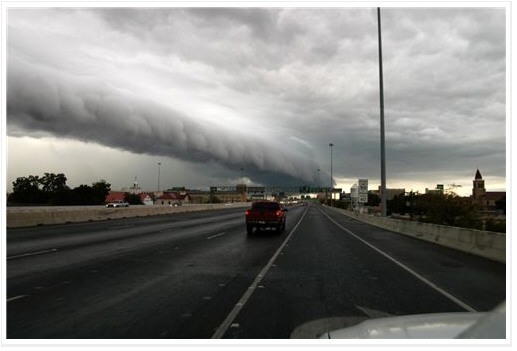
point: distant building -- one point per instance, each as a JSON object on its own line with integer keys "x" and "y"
{"x": 181, "y": 190}
{"x": 439, "y": 190}
{"x": 121, "y": 196}
{"x": 390, "y": 193}
{"x": 226, "y": 194}
{"x": 485, "y": 200}
{"x": 115, "y": 196}
{"x": 170, "y": 199}
{"x": 354, "y": 192}
{"x": 146, "y": 199}
{"x": 256, "y": 192}
{"x": 135, "y": 189}
{"x": 229, "y": 194}
{"x": 199, "y": 196}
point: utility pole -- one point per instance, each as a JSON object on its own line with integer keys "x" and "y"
{"x": 383, "y": 150}
{"x": 331, "y": 178}
{"x": 159, "y": 164}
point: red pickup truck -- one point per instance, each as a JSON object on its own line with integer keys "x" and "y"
{"x": 265, "y": 214}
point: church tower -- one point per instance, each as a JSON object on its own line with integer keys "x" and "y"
{"x": 478, "y": 189}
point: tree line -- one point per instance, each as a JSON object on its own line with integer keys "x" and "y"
{"x": 445, "y": 209}
{"x": 51, "y": 189}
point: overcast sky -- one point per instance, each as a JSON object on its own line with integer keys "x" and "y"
{"x": 221, "y": 95}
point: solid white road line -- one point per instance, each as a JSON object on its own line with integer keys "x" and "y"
{"x": 406, "y": 268}
{"x": 219, "y": 333}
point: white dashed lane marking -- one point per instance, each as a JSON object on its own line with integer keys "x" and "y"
{"x": 32, "y": 254}
{"x": 215, "y": 236}
{"x": 16, "y": 298}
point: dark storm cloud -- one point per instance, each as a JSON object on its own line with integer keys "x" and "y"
{"x": 90, "y": 110}
{"x": 219, "y": 83}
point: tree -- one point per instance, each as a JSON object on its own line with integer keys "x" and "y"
{"x": 27, "y": 190}
{"x": 55, "y": 189}
{"x": 51, "y": 189}
{"x": 100, "y": 190}
{"x": 500, "y": 205}
{"x": 91, "y": 195}
{"x": 51, "y": 182}
{"x": 133, "y": 199}
{"x": 82, "y": 195}
{"x": 373, "y": 199}
{"x": 447, "y": 209}
{"x": 397, "y": 205}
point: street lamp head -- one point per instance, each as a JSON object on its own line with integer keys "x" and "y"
{"x": 330, "y": 144}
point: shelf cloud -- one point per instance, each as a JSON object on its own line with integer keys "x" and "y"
{"x": 259, "y": 93}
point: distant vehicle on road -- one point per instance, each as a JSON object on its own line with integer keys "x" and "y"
{"x": 266, "y": 214}
{"x": 117, "y": 203}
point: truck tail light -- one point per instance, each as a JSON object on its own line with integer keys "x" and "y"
{"x": 247, "y": 213}
{"x": 279, "y": 213}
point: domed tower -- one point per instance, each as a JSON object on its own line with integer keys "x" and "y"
{"x": 478, "y": 189}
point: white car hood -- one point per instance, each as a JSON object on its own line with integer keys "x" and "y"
{"x": 461, "y": 325}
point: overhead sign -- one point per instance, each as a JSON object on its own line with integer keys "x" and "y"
{"x": 256, "y": 189}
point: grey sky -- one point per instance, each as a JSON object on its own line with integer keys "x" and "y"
{"x": 217, "y": 95}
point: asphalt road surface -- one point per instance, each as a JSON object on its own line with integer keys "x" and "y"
{"x": 200, "y": 276}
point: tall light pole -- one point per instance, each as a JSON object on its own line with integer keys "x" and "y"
{"x": 159, "y": 164}
{"x": 383, "y": 150}
{"x": 331, "y": 178}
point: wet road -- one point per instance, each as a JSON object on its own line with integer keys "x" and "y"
{"x": 200, "y": 276}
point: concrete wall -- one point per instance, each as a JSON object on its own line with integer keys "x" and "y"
{"x": 481, "y": 243}
{"x": 33, "y": 216}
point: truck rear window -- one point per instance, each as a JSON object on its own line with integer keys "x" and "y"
{"x": 270, "y": 206}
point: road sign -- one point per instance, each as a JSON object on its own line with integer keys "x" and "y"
{"x": 362, "y": 191}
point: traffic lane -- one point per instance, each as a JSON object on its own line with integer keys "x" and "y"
{"x": 323, "y": 272}
{"x": 169, "y": 291}
{"x": 479, "y": 282}
{"x": 20, "y": 240}
{"x": 104, "y": 240}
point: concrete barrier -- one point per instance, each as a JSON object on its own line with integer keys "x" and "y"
{"x": 486, "y": 244}
{"x": 33, "y": 216}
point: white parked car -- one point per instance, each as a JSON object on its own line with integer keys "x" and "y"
{"x": 117, "y": 203}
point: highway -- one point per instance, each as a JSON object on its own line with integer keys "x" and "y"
{"x": 200, "y": 276}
